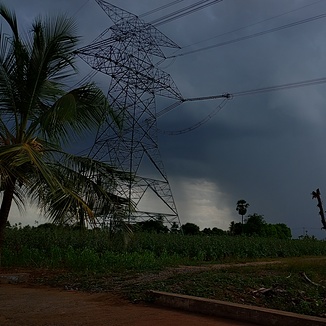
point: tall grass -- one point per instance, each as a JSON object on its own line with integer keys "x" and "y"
{"x": 97, "y": 250}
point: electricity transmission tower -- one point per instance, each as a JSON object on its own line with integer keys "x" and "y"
{"x": 126, "y": 52}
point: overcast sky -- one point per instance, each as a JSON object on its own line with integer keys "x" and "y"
{"x": 267, "y": 148}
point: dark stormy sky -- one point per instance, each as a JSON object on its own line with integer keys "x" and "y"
{"x": 268, "y": 148}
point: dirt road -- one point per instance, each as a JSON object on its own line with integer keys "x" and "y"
{"x": 26, "y": 305}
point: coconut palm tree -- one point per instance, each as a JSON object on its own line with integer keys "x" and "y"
{"x": 39, "y": 115}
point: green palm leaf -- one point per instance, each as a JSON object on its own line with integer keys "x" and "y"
{"x": 39, "y": 114}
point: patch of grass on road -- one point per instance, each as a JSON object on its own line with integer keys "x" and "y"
{"x": 296, "y": 285}
{"x": 292, "y": 284}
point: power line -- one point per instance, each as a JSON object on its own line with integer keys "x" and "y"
{"x": 243, "y": 38}
{"x": 192, "y": 99}
{"x": 198, "y": 124}
{"x": 228, "y": 96}
{"x": 179, "y": 11}
{"x": 80, "y": 8}
{"x": 304, "y": 83}
{"x": 160, "y": 8}
{"x": 183, "y": 12}
{"x": 253, "y": 24}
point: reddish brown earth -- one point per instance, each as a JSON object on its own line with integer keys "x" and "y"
{"x": 32, "y": 305}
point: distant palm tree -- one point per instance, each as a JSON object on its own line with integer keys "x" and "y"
{"x": 242, "y": 206}
{"x": 39, "y": 114}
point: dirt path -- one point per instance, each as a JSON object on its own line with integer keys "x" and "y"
{"x": 29, "y": 304}
{"x": 26, "y": 305}
{"x": 171, "y": 271}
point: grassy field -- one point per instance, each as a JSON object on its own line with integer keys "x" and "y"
{"x": 294, "y": 278}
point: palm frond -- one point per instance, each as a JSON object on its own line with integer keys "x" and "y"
{"x": 22, "y": 158}
{"x": 51, "y": 53}
{"x": 77, "y": 111}
{"x": 80, "y": 190}
{"x": 39, "y": 114}
{"x": 11, "y": 19}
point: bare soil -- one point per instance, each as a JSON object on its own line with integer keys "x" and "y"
{"x": 33, "y": 305}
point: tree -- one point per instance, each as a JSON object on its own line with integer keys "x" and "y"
{"x": 316, "y": 194}
{"x": 242, "y": 206}
{"x": 153, "y": 226}
{"x": 282, "y": 231}
{"x": 174, "y": 228}
{"x": 235, "y": 228}
{"x": 213, "y": 231}
{"x": 190, "y": 229}
{"x": 255, "y": 225}
{"x": 217, "y": 231}
{"x": 39, "y": 115}
{"x": 207, "y": 231}
{"x": 270, "y": 231}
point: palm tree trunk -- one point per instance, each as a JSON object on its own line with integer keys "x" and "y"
{"x": 8, "y": 196}
{"x": 316, "y": 194}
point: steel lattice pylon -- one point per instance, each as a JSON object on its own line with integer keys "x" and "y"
{"x": 125, "y": 52}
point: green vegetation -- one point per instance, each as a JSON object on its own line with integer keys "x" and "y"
{"x": 96, "y": 260}
{"x": 255, "y": 225}
{"x": 285, "y": 285}
{"x": 39, "y": 115}
{"x": 190, "y": 229}
{"x": 98, "y": 250}
{"x": 242, "y": 206}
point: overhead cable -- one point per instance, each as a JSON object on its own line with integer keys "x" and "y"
{"x": 80, "y": 8}
{"x": 198, "y": 124}
{"x": 183, "y": 12}
{"x": 160, "y": 8}
{"x": 228, "y": 96}
{"x": 247, "y": 37}
{"x": 192, "y": 99}
{"x": 304, "y": 83}
{"x": 253, "y": 24}
{"x": 179, "y": 11}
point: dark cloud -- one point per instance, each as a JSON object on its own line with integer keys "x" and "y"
{"x": 266, "y": 148}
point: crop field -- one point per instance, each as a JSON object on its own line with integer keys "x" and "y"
{"x": 97, "y": 250}
{"x": 273, "y": 273}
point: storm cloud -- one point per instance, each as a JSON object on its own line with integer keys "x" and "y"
{"x": 266, "y": 148}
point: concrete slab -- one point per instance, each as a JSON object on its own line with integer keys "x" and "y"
{"x": 245, "y": 313}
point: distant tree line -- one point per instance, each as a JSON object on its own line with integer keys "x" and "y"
{"x": 254, "y": 225}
